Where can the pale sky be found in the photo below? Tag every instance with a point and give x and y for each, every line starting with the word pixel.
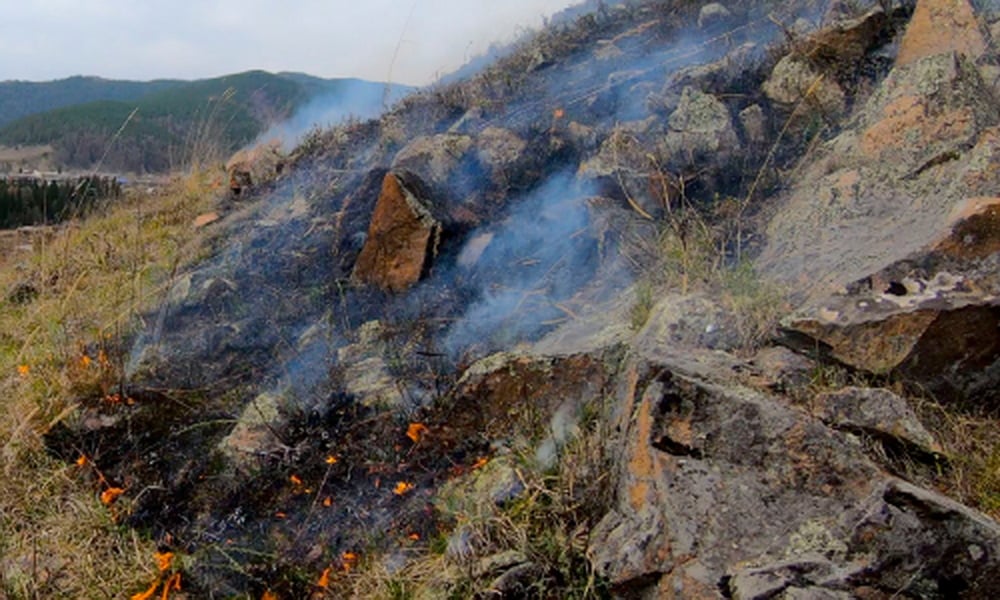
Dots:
pixel 189 39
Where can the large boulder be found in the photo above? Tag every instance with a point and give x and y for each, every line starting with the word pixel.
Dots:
pixel 402 237
pixel 890 232
pixel 931 317
pixel 728 492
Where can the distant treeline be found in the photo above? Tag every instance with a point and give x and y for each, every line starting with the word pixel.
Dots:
pixel 37 201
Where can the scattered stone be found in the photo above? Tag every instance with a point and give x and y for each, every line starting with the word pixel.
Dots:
pixel 203 220
pixel 795 82
pixel 876 412
pixel 402 238
pixel 843 42
pixel 497 563
pixel 714 15
pixel 782 370
pixel 23 293
pixel 700 131
pixel 516 582
pixel 754 124
pixel 254 436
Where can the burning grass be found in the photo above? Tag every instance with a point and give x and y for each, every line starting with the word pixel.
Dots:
pixel 58 536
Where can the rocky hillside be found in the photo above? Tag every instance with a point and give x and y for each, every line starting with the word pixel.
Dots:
pixel 669 302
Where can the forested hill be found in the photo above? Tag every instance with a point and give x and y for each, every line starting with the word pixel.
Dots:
pixel 183 121
pixel 22 98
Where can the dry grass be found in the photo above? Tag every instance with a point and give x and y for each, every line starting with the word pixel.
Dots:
pixel 94 279
pixel 972 444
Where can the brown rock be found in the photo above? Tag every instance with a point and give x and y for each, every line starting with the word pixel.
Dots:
pixel 847 40
pixel 939 26
pixel 402 239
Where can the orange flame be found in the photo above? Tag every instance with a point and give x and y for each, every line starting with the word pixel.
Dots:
pixel 324 579
pixel 349 560
pixel 416 431
pixel 111 494
pixel 163 560
pixel 403 487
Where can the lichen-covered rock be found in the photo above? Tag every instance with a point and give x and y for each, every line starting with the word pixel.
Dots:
pixel 364 371
pixel 726 490
pixel 402 238
pixel 887 233
pixel 701 124
pixel 254 436
pixel 794 81
pixel 941 26
pixel 689 320
pixel 875 412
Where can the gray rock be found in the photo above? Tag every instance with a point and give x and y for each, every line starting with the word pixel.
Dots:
pixel 691 320
pixel 446 162
pixel 498 150
pixel 365 372
pixel 714 15
pixel 795 82
pixel 700 131
pixel 497 563
pixel 876 412
pixel 754 124
pixel 254 435
pixel 783 369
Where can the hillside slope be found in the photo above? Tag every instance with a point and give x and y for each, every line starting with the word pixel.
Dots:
pixel 671 301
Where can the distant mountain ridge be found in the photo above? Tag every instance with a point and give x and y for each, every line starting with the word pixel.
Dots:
pixel 167 124
pixel 22 98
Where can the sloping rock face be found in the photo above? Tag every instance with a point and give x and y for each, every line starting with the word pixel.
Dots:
pixel 890 229
pixel 403 238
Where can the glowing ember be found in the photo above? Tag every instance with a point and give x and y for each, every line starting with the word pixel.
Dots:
pixel 403 487
pixel 415 431
pixel 111 494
